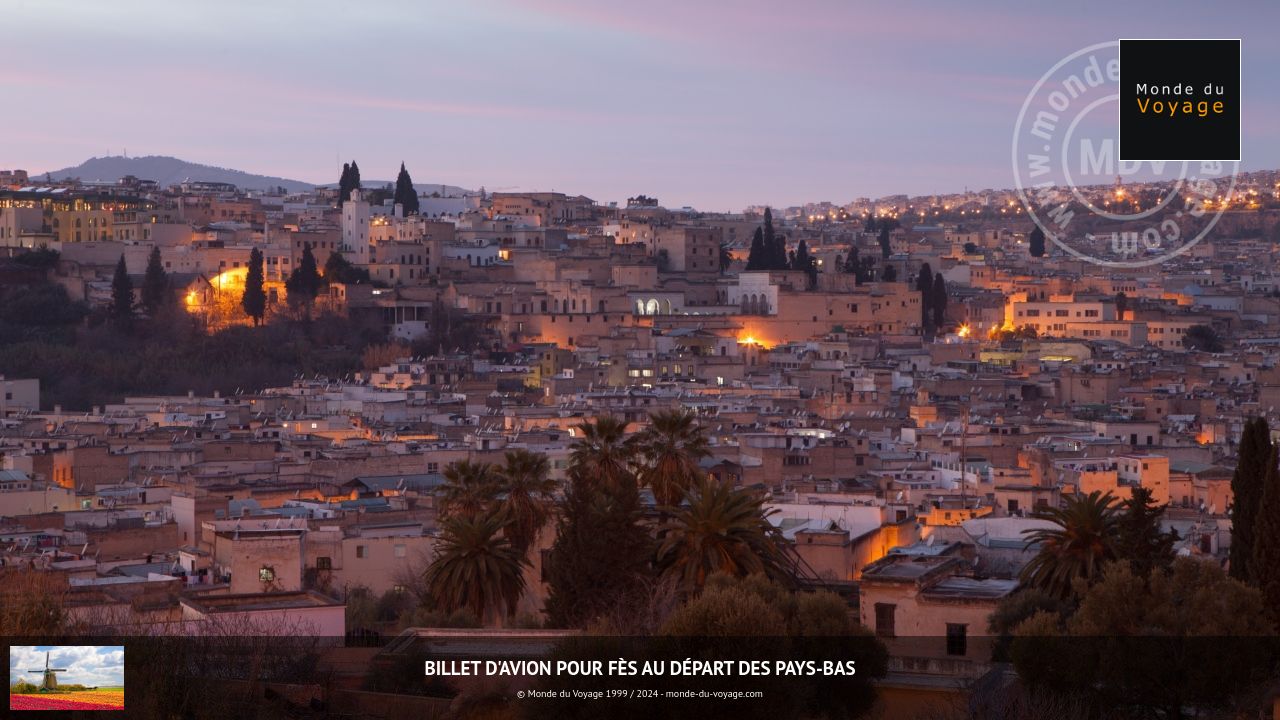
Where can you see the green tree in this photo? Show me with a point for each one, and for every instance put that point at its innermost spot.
(349, 181)
(775, 246)
(121, 307)
(721, 529)
(886, 249)
(1246, 489)
(726, 258)
(1122, 303)
(155, 284)
(924, 285)
(671, 448)
(406, 196)
(602, 555)
(476, 567)
(304, 283)
(1203, 338)
(890, 273)
(1190, 637)
(601, 454)
(1083, 541)
(1266, 541)
(1139, 538)
(254, 299)
(526, 495)
(756, 258)
(970, 249)
(938, 300)
(337, 269)
(1035, 242)
(469, 488)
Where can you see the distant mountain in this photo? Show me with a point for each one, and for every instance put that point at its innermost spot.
(168, 171)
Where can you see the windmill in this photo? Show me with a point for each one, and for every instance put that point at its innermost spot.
(50, 674)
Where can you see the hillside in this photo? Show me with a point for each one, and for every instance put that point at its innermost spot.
(170, 171)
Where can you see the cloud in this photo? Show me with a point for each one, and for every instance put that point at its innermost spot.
(91, 665)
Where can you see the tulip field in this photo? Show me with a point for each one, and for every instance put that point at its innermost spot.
(102, 699)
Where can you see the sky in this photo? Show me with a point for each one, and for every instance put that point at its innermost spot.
(89, 665)
(707, 103)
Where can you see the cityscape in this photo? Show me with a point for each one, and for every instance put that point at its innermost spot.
(971, 453)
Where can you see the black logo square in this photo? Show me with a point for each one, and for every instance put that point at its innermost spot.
(1180, 100)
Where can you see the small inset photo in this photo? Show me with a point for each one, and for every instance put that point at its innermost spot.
(66, 677)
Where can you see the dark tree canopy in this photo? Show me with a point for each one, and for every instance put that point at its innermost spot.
(1246, 488)
(338, 270)
(406, 196)
(121, 307)
(349, 181)
(1202, 337)
(601, 555)
(304, 282)
(768, 249)
(1035, 242)
(1140, 539)
(1266, 542)
(756, 258)
(938, 300)
(155, 284)
(254, 300)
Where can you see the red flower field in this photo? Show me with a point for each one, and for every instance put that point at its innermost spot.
(79, 700)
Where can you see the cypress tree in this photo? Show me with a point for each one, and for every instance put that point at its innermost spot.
(1265, 565)
(756, 259)
(405, 195)
(889, 274)
(304, 282)
(121, 307)
(254, 300)
(344, 183)
(355, 176)
(1036, 242)
(939, 300)
(155, 284)
(1246, 488)
(885, 249)
(924, 285)
(775, 248)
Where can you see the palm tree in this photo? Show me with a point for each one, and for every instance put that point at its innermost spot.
(720, 529)
(1083, 541)
(671, 447)
(525, 495)
(476, 566)
(469, 488)
(602, 454)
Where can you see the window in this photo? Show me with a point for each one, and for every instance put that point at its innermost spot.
(267, 574)
(324, 563)
(884, 619)
(399, 551)
(360, 551)
(957, 639)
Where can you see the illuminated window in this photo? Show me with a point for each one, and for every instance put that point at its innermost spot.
(267, 574)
